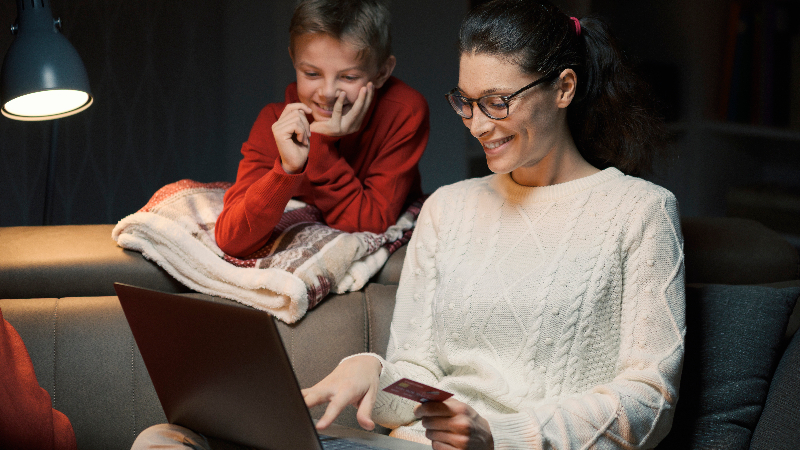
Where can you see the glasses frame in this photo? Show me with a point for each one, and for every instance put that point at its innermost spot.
(505, 98)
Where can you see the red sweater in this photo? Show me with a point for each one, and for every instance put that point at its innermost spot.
(360, 181)
(27, 418)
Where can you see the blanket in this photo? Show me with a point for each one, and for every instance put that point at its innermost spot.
(302, 262)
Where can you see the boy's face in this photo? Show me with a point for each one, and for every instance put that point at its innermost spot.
(326, 66)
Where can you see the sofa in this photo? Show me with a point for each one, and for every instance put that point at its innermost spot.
(739, 387)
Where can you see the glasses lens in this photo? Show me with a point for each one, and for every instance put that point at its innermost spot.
(463, 108)
(494, 107)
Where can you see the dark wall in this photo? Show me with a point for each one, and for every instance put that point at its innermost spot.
(177, 86)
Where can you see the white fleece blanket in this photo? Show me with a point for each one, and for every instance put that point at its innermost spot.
(302, 262)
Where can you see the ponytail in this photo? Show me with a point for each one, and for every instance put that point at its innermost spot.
(614, 120)
(612, 117)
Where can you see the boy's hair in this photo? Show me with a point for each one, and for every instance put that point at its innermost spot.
(364, 23)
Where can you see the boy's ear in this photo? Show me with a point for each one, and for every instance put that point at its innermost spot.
(385, 71)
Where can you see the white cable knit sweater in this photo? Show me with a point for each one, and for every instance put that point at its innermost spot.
(556, 312)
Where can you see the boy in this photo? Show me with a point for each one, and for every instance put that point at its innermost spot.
(347, 139)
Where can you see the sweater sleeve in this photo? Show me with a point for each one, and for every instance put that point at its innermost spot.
(27, 418)
(374, 201)
(410, 352)
(634, 410)
(255, 203)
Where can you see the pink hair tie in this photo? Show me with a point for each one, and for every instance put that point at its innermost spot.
(577, 25)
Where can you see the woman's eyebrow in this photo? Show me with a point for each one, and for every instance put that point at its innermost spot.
(485, 92)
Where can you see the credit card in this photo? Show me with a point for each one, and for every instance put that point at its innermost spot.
(419, 392)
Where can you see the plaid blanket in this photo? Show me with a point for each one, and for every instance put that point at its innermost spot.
(302, 262)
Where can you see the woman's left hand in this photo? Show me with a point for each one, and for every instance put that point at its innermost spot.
(452, 424)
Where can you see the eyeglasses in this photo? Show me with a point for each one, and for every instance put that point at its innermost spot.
(494, 106)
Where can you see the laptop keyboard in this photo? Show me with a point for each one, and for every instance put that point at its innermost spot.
(334, 443)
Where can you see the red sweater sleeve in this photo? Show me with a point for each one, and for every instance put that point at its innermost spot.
(255, 203)
(27, 419)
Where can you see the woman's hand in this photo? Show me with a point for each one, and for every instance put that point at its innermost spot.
(353, 382)
(340, 125)
(452, 424)
(292, 134)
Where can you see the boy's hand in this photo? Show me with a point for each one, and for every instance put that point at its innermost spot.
(452, 424)
(339, 124)
(292, 134)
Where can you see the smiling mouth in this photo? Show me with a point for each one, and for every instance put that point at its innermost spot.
(494, 144)
(328, 109)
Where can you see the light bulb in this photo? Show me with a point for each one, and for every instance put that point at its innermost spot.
(49, 104)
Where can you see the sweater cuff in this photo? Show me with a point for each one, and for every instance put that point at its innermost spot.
(513, 431)
(278, 168)
(275, 184)
(392, 410)
(322, 157)
(378, 357)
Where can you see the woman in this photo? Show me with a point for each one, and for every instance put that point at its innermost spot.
(549, 296)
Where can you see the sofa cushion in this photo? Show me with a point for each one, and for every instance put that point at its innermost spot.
(380, 300)
(779, 425)
(733, 343)
(72, 261)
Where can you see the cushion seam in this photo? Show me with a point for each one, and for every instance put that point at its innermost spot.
(55, 351)
(133, 384)
(368, 332)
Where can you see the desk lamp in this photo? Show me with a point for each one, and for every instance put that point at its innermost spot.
(43, 76)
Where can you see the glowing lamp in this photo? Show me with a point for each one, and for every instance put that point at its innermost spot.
(43, 76)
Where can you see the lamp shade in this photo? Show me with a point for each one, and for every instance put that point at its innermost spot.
(43, 76)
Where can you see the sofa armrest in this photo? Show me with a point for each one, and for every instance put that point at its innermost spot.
(72, 260)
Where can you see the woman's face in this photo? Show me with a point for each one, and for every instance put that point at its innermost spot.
(535, 126)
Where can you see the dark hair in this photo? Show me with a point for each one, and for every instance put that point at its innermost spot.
(612, 117)
(365, 23)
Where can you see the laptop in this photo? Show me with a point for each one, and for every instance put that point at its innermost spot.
(220, 369)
